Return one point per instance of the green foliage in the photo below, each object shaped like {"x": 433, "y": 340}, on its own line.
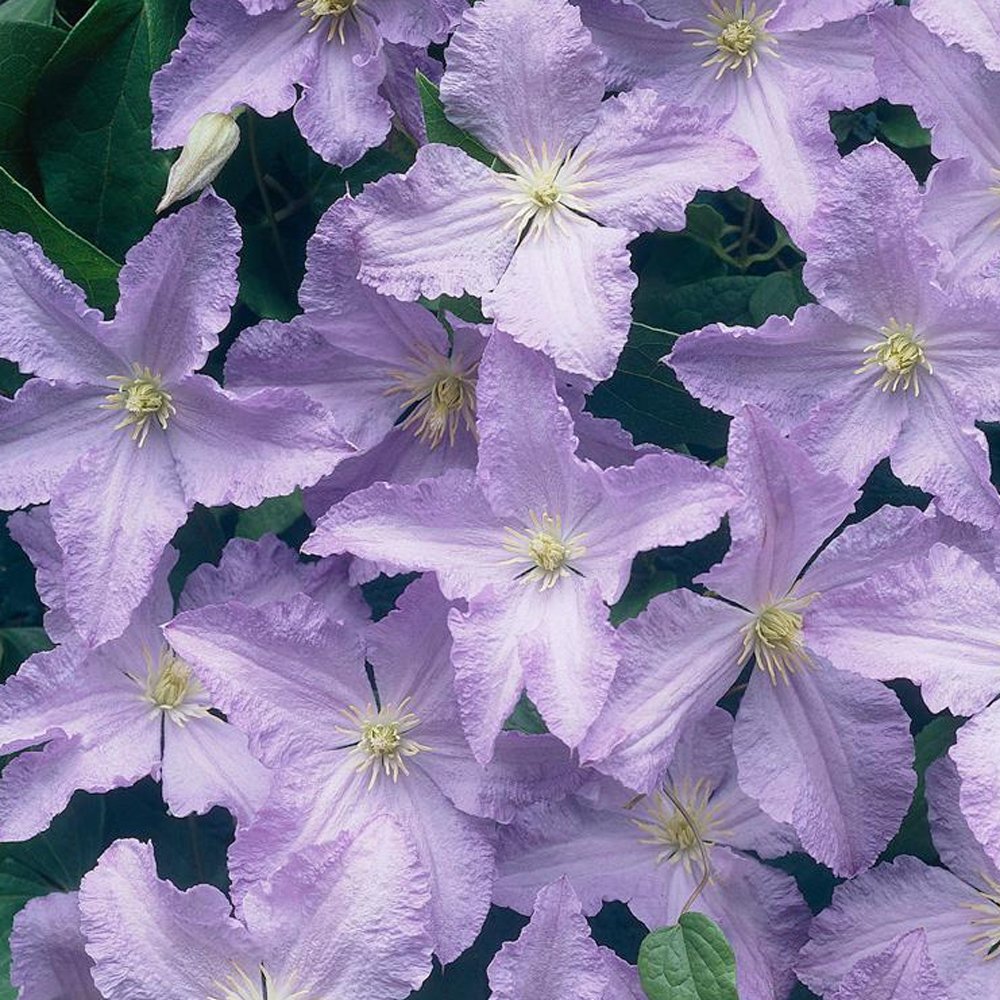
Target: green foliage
{"x": 33, "y": 11}
{"x": 273, "y": 516}
{"x": 690, "y": 960}
{"x": 439, "y": 129}
{"x": 526, "y": 718}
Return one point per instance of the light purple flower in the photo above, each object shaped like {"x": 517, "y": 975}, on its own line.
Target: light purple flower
{"x": 555, "y": 956}
{"x": 888, "y": 362}
{"x": 105, "y": 718}
{"x": 957, "y": 911}
{"x": 962, "y": 205}
{"x": 296, "y": 683}
{"x": 47, "y": 956}
{"x": 644, "y": 853}
{"x": 770, "y": 72}
{"x": 348, "y": 57}
{"x": 904, "y": 971}
{"x": 975, "y": 26}
{"x": 543, "y": 242}
{"x": 825, "y": 750}
{"x": 116, "y": 430}
{"x": 341, "y": 920}
{"x": 537, "y": 540}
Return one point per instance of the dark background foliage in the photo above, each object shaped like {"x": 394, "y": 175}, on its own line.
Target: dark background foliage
{"x": 78, "y": 174}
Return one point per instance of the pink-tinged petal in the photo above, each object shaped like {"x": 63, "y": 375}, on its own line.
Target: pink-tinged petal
{"x": 32, "y": 530}
{"x": 439, "y": 229}
{"x": 399, "y": 88}
{"x": 113, "y": 515}
{"x": 868, "y": 260}
{"x": 524, "y": 77}
{"x": 207, "y": 763}
{"x": 871, "y": 912}
{"x": 44, "y": 430}
{"x": 813, "y": 13}
{"x": 966, "y": 341}
{"x": 829, "y": 753}
{"x": 227, "y": 58}
{"x": 789, "y": 510}
{"x": 242, "y": 450}
{"x": 554, "y": 956}
{"x": 975, "y": 756}
{"x": 37, "y": 785}
{"x": 569, "y": 657}
{"x": 666, "y": 153}
{"x": 788, "y": 367}
{"x": 916, "y": 67}
{"x": 148, "y": 939}
{"x": 976, "y": 28}
{"x": 416, "y": 22}
{"x": 177, "y": 288}
{"x": 442, "y": 525}
{"x": 341, "y": 113}
{"x": 325, "y": 915}
{"x": 268, "y": 570}
{"x": 47, "y": 956}
{"x": 904, "y": 971}
{"x": 623, "y": 979}
{"x": 567, "y": 293}
{"x": 636, "y": 47}
{"x": 676, "y": 660}
{"x": 941, "y": 451}
{"x": 916, "y": 619}
{"x": 45, "y": 323}
{"x": 272, "y": 668}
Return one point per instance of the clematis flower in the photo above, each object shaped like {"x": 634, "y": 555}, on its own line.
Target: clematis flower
{"x": 544, "y": 240}
{"x": 824, "y": 750}
{"x": 555, "y": 956}
{"x": 975, "y": 26}
{"x": 348, "y": 57}
{"x": 650, "y": 853}
{"x": 306, "y": 933}
{"x": 296, "y": 682}
{"x": 116, "y": 430}
{"x": 888, "y": 362}
{"x": 962, "y": 205}
{"x": 47, "y": 956}
{"x": 945, "y": 922}
{"x": 105, "y": 718}
{"x": 537, "y": 540}
{"x": 769, "y": 72}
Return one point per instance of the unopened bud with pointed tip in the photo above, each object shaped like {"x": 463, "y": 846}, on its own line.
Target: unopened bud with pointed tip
{"x": 212, "y": 140}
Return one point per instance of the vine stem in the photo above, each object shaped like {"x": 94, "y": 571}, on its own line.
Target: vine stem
{"x": 706, "y": 867}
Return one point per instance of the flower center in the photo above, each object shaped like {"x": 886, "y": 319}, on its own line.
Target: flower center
{"x": 774, "y": 638}
{"x": 331, "y": 12}
{"x": 679, "y": 837}
{"x": 440, "y": 395}
{"x": 142, "y": 396}
{"x": 382, "y": 741}
{"x": 738, "y": 35}
{"x": 171, "y": 687}
{"x": 901, "y": 356}
{"x": 543, "y": 189}
{"x": 260, "y": 985}
{"x": 545, "y": 550}
{"x": 987, "y": 924}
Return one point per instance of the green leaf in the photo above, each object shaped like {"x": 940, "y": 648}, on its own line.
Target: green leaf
{"x": 526, "y": 718}
{"x": 898, "y": 123}
{"x": 83, "y": 263}
{"x": 25, "y": 48}
{"x": 274, "y": 515}
{"x": 691, "y": 960}
{"x": 17, "y": 644}
{"x": 439, "y": 129}
{"x": 34, "y": 11}
{"x": 91, "y": 120}
{"x": 778, "y": 294}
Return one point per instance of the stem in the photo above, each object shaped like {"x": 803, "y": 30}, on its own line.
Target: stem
{"x": 706, "y": 873}
{"x": 655, "y": 329}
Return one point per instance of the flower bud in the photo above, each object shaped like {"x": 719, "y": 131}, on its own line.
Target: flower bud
{"x": 212, "y": 140}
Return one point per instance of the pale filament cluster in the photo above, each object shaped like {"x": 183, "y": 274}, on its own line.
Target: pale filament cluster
{"x": 739, "y": 36}
{"x": 773, "y": 637}
{"x": 901, "y": 356}
{"x": 171, "y": 688}
{"x": 440, "y": 395}
{"x": 381, "y": 741}
{"x": 986, "y": 925}
{"x": 240, "y": 985}
{"x": 545, "y": 187}
{"x": 545, "y": 550}
{"x": 142, "y": 397}
{"x": 330, "y": 14}
{"x": 682, "y": 839}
